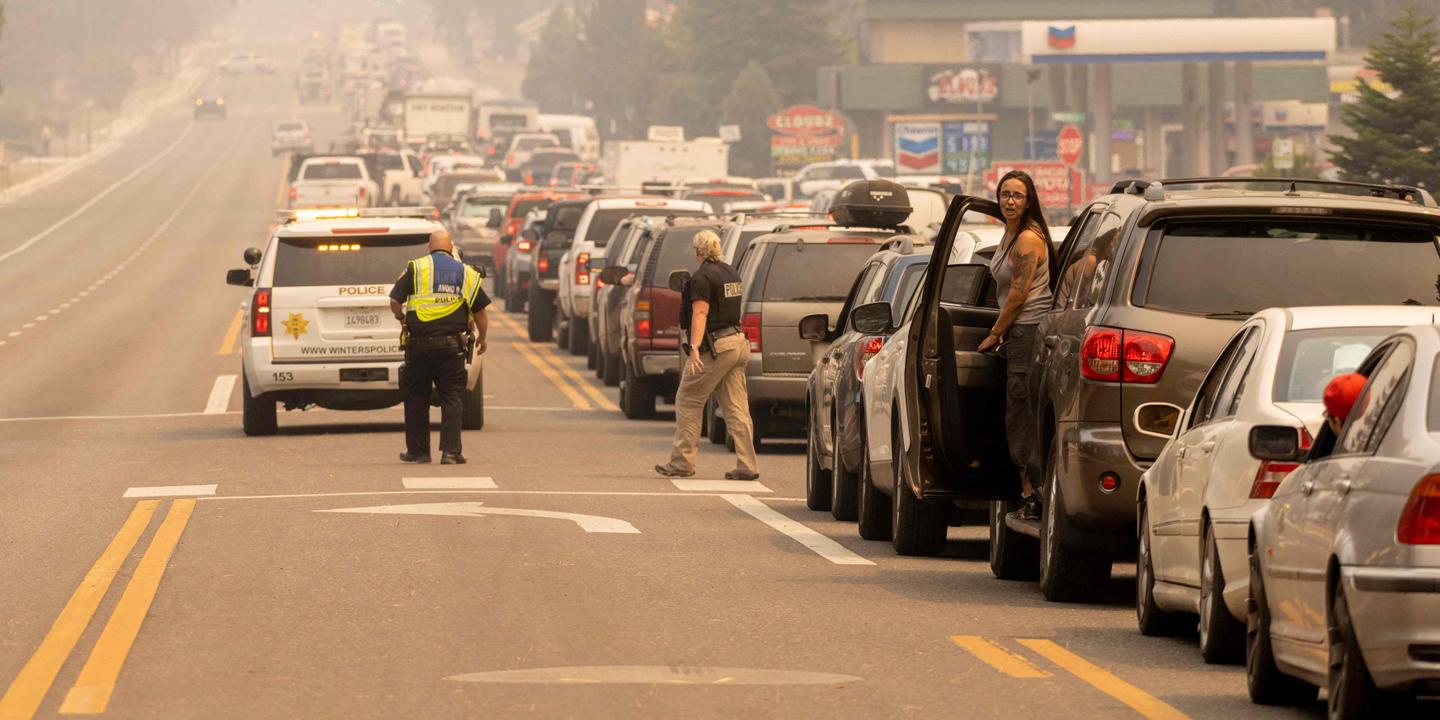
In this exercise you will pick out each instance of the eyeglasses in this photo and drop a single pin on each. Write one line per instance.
(1012, 197)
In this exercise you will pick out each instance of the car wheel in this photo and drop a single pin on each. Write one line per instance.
(1152, 619)
(500, 285)
(611, 377)
(394, 197)
(844, 500)
(472, 415)
(917, 527)
(1350, 691)
(637, 395)
(515, 300)
(1222, 637)
(560, 328)
(1264, 680)
(579, 336)
(1013, 555)
(1067, 574)
(540, 323)
(716, 430)
(257, 414)
(592, 360)
(817, 478)
(873, 511)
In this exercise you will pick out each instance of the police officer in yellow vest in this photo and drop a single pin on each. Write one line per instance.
(438, 298)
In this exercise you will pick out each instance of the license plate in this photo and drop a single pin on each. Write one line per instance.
(362, 320)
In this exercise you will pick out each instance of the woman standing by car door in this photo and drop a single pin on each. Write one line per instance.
(1022, 270)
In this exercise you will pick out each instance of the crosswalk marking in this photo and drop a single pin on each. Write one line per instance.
(170, 491)
(449, 483)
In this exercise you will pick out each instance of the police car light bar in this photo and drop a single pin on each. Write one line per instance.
(285, 217)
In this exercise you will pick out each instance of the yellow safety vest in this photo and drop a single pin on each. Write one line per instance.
(440, 291)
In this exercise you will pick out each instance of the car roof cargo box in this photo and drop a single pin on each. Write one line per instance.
(871, 203)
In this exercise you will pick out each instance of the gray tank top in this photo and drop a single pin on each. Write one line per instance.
(1038, 299)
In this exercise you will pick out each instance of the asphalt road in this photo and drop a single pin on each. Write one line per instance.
(553, 576)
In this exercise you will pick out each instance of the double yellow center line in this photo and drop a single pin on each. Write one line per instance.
(91, 693)
(577, 389)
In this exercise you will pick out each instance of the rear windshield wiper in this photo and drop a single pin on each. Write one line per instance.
(1231, 314)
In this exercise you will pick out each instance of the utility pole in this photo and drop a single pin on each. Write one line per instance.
(1031, 75)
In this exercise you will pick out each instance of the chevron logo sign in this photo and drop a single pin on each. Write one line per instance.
(917, 147)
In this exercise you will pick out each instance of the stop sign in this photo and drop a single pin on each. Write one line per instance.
(1070, 145)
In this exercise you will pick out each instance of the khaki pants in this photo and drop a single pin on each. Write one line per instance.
(724, 376)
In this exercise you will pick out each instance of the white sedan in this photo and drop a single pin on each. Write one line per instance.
(1196, 500)
(1345, 559)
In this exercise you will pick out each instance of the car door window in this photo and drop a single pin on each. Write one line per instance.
(1235, 376)
(1099, 258)
(1378, 403)
(1074, 258)
(1214, 382)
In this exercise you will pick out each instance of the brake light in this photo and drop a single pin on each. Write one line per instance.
(529, 178)
(750, 324)
(542, 262)
(523, 246)
(1420, 520)
(1114, 355)
(510, 161)
(582, 269)
(868, 348)
(1270, 474)
(260, 313)
(292, 192)
(642, 316)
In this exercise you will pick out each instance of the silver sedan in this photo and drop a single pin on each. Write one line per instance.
(1345, 560)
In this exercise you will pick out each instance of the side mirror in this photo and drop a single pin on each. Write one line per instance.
(614, 274)
(239, 276)
(872, 318)
(495, 219)
(815, 328)
(252, 256)
(1275, 443)
(678, 280)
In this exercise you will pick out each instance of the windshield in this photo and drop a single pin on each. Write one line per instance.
(530, 143)
(814, 271)
(1237, 268)
(603, 223)
(299, 262)
(524, 207)
(481, 207)
(1310, 358)
(332, 171)
(676, 253)
(289, 127)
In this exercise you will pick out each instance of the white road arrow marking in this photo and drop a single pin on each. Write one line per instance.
(588, 523)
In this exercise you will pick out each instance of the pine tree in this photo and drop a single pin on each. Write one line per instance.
(1396, 137)
(790, 39)
(751, 101)
(552, 80)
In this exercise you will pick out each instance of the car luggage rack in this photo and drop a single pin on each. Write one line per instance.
(1155, 189)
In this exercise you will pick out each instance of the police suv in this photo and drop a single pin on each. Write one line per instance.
(319, 329)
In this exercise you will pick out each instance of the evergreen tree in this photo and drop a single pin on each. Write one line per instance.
(751, 101)
(790, 39)
(1396, 137)
(552, 77)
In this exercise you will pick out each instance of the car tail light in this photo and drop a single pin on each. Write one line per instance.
(529, 178)
(260, 313)
(362, 192)
(1113, 355)
(292, 192)
(512, 227)
(750, 323)
(1271, 474)
(582, 269)
(523, 246)
(642, 317)
(510, 161)
(1420, 520)
(868, 347)
(542, 262)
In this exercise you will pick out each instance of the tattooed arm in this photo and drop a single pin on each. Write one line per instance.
(1025, 259)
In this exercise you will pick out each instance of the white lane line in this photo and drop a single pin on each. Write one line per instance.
(366, 493)
(588, 523)
(28, 325)
(153, 416)
(62, 222)
(819, 544)
(170, 491)
(727, 486)
(15, 333)
(219, 400)
(449, 483)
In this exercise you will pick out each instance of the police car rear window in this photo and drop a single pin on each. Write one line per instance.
(332, 171)
(345, 259)
(814, 272)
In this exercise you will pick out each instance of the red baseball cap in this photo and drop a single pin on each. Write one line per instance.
(1341, 393)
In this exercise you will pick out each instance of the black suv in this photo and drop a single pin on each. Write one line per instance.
(554, 238)
(1153, 280)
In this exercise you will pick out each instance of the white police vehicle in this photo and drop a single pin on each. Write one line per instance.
(319, 331)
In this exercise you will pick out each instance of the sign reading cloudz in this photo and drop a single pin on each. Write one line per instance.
(804, 134)
(950, 86)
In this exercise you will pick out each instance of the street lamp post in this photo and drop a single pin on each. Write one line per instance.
(1031, 75)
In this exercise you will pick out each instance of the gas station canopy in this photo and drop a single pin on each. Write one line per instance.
(1198, 40)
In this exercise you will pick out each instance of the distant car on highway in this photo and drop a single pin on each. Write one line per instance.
(210, 103)
(319, 331)
(330, 181)
(291, 136)
(240, 62)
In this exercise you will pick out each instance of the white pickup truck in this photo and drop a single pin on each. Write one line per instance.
(401, 179)
(330, 181)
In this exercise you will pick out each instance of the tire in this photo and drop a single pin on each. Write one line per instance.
(844, 492)
(1350, 691)
(579, 340)
(611, 376)
(1152, 620)
(560, 328)
(500, 285)
(395, 197)
(1013, 555)
(817, 478)
(1222, 637)
(917, 527)
(258, 414)
(1264, 680)
(873, 511)
(592, 360)
(637, 395)
(716, 431)
(1067, 574)
(540, 323)
(472, 416)
(515, 300)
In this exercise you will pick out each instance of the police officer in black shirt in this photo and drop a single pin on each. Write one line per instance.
(439, 299)
(717, 353)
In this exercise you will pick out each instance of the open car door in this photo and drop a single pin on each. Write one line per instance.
(954, 412)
